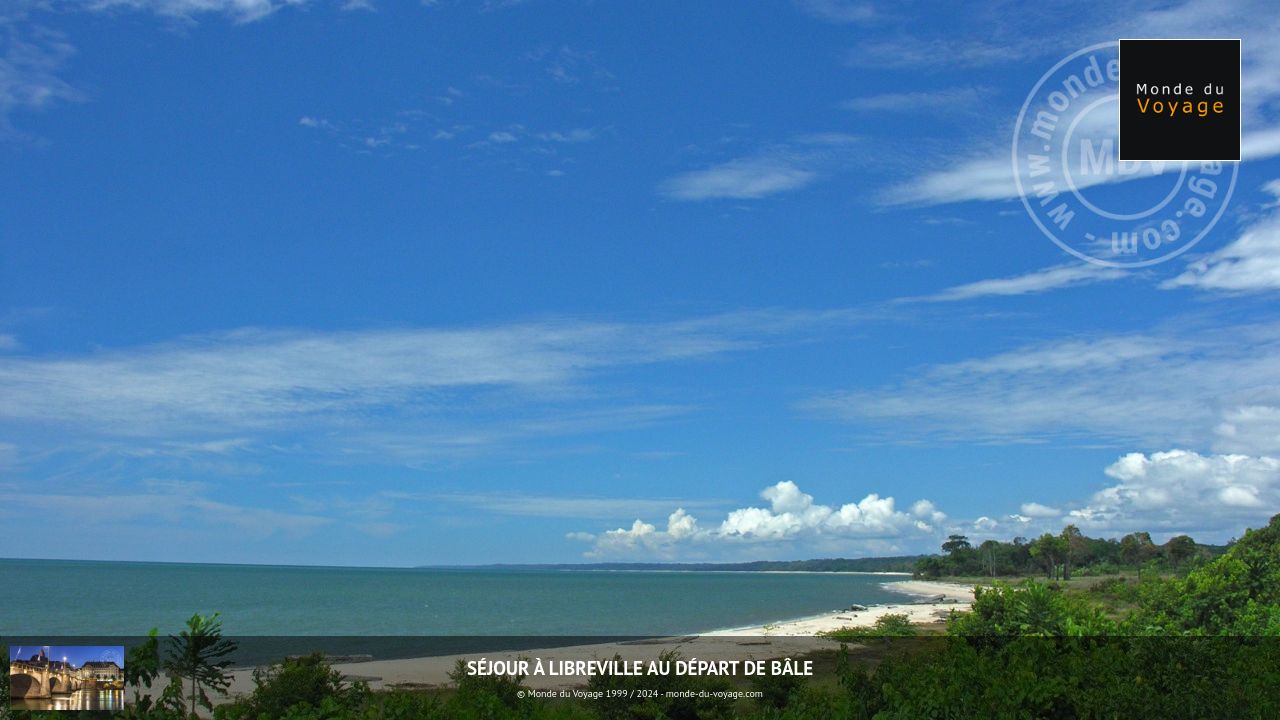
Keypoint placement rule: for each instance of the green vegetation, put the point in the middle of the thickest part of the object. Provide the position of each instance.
(886, 626)
(198, 656)
(1060, 556)
(1205, 644)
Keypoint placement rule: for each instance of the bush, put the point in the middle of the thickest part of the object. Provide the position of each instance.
(891, 625)
(304, 682)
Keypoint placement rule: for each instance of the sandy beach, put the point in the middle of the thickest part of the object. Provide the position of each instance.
(934, 601)
(946, 598)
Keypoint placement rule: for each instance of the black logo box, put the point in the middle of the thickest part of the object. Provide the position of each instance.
(1181, 65)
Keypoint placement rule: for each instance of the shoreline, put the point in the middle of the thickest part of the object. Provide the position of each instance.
(788, 637)
(953, 596)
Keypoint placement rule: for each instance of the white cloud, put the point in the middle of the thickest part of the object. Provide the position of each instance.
(172, 503)
(791, 514)
(576, 135)
(744, 178)
(984, 524)
(1036, 510)
(413, 393)
(1249, 263)
(1201, 386)
(30, 60)
(1184, 491)
(559, 506)
(238, 10)
(502, 136)
(319, 123)
(952, 52)
(778, 169)
(838, 11)
(1050, 278)
(949, 99)
(988, 175)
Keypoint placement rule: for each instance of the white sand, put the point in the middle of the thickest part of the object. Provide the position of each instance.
(955, 596)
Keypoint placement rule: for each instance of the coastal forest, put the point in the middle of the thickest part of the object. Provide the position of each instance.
(1195, 635)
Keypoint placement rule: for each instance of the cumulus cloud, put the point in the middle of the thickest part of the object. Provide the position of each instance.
(1184, 491)
(984, 524)
(791, 514)
(1036, 510)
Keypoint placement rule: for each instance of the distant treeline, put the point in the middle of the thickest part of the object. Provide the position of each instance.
(901, 563)
(1061, 555)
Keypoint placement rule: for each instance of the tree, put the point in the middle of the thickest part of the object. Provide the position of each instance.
(197, 655)
(1136, 548)
(955, 545)
(929, 567)
(988, 550)
(1074, 546)
(1180, 548)
(1048, 549)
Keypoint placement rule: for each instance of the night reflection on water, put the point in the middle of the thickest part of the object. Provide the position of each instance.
(78, 700)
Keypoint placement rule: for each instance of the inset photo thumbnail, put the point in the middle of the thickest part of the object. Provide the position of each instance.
(66, 677)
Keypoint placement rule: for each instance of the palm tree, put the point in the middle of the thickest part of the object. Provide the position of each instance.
(197, 655)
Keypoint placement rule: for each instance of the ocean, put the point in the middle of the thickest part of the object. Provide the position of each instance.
(59, 597)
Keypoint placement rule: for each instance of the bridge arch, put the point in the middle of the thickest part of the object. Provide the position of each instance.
(23, 685)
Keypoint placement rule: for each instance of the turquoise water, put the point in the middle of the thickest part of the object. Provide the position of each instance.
(43, 597)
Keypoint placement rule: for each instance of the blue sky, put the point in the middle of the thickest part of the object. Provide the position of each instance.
(76, 655)
(461, 282)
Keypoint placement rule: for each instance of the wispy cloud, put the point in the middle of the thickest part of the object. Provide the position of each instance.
(169, 504)
(565, 506)
(957, 99)
(743, 178)
(238, 10)
(838, 11)
(431, 387)
(1248, 264)
(1044, 280)
(952, 52)
(565, 65)
(1216, 387)
(779, 169)
(988, 174)
(31, 58)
